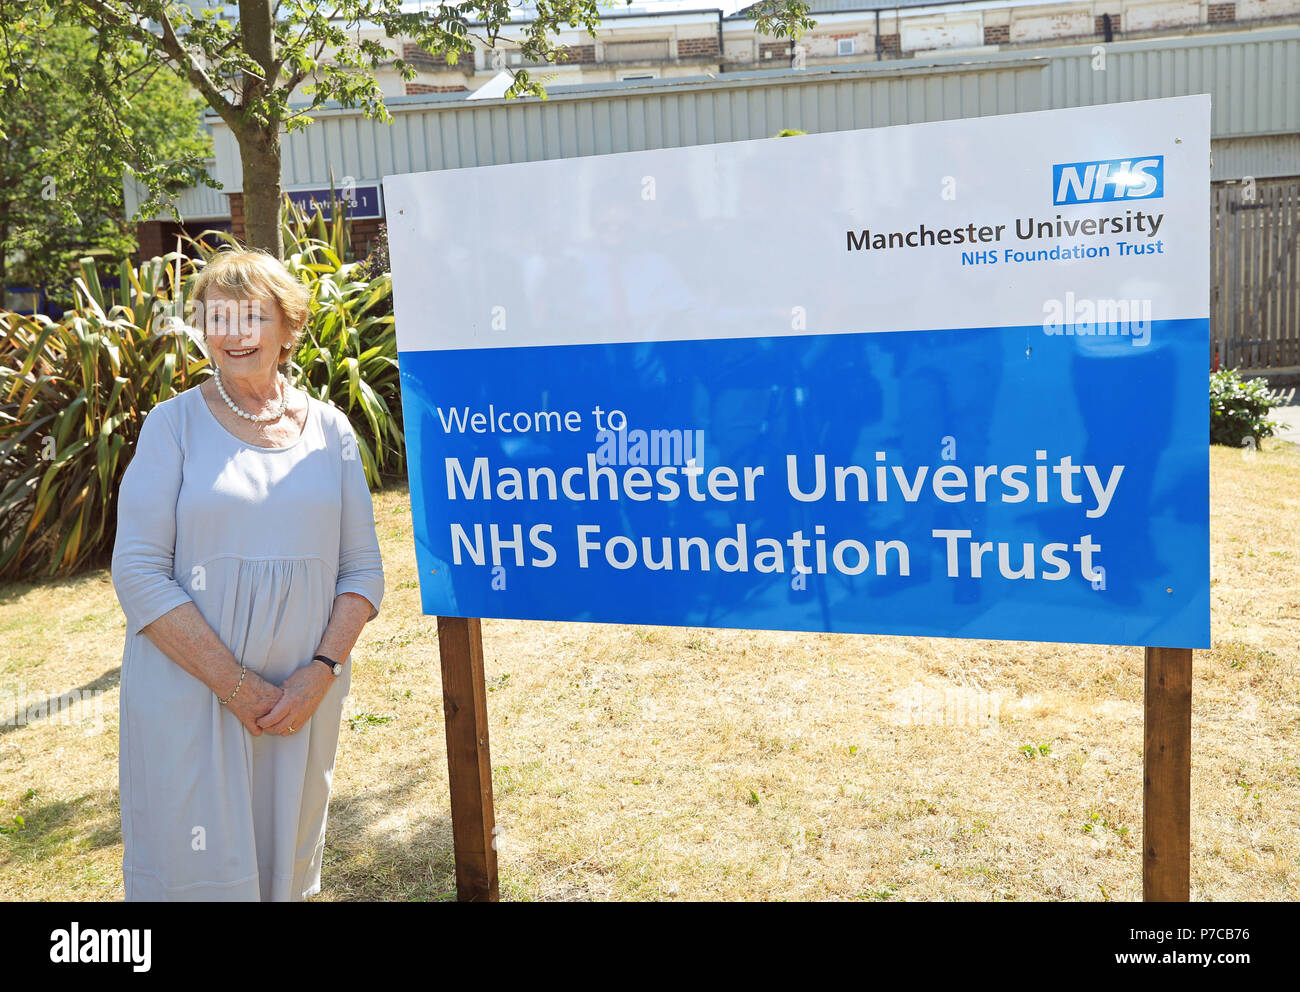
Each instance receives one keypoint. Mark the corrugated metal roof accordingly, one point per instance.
(1252, 77)
(195, 203)
(1258, 73)
(1264, 157)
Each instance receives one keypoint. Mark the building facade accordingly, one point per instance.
(668, 44)
(1251, 74)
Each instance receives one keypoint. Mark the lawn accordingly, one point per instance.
(680, 763)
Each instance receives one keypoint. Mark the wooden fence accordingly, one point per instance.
(1255, 274)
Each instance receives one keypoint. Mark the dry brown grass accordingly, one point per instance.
(654, 762)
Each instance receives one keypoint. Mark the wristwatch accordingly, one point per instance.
(334, 666)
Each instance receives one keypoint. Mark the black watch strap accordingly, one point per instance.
(328, 661)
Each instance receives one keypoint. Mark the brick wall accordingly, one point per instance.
(237, 216)
(1221, 13)
(696, 47)
(414, 53)
(150, 236)
(363, 234)
(774, 51)
(157, 237)
(889, 45)
(997, 35)
(422, 59)
(1099, 24)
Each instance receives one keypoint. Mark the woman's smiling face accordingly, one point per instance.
(245, 336)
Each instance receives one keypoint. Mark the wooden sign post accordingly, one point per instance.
(1166, 785)
(469, 762)
(1167, 776)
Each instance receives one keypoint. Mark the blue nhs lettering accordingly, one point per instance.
(1111, 179)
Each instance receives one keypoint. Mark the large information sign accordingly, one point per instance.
(943, 379)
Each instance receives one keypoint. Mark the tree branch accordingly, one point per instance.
(170, 46)
(300, 40)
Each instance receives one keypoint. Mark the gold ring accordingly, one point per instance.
(291, 730)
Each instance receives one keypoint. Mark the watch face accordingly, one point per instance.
(338, 668)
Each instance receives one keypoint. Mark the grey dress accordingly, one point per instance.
(261, 540)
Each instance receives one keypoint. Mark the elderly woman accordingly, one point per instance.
(246, 563)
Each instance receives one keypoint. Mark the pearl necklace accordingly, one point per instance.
(261, 418)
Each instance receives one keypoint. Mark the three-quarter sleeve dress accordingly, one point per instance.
(261, 540)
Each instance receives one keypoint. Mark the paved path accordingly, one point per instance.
(1289, 416)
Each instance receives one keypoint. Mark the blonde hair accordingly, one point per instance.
(247, 273)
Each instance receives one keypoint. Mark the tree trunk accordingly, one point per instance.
(259, 153)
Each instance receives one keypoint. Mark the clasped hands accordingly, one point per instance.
(265, 708)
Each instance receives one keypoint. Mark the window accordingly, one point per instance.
(846, 46)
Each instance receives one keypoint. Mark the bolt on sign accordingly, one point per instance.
(943, 379)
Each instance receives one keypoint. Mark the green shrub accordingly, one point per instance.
(348, 357)
(74, 392)
(1238, 408)
(377, 262)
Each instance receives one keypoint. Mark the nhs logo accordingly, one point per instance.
(1109, 179)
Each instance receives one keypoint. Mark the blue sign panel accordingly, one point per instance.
(725, 399)
(360, 202)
